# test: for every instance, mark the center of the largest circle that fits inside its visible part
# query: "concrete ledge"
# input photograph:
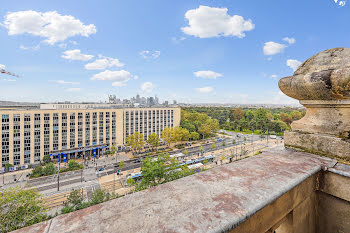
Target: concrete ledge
(318, 143)
(217, 200)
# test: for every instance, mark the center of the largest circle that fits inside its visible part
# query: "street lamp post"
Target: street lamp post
(114, 180)
(58, 173)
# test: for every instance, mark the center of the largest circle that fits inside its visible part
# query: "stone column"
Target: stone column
(322, 85)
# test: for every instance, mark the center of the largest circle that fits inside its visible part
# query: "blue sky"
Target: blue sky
(189, 50)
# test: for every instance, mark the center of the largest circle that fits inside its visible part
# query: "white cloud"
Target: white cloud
(149, 54)
(62, 45)
(120, 77)
(64, 82)
(178, 40)
(73, 89)
(156, 54)
(289, 40)
(76, 55)
(280, 98)
(293, 64)
(136, 77)
(274, 76)
(2, 66)
(50, 25)
(147, 87)
(103, 63)
(207, 74)
(34, 48)
(205, 89)
(272, 48)
(205, 22)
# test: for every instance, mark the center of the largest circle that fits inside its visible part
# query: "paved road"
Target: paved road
(110, 165)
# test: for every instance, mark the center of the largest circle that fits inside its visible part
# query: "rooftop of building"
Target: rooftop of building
(77, 106)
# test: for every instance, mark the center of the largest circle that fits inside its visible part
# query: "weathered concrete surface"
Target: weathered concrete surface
(330, 117)
(325, 76)
(336, 185)
(216, 200)
(333, 214)
(299, 202)
(318, 143)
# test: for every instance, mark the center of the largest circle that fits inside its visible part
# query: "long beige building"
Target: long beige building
(29, 134)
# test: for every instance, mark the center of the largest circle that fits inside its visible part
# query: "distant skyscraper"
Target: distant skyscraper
(138, 99)
(174, 102)
(156, 100)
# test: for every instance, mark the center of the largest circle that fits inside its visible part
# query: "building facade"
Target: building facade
(28, 135)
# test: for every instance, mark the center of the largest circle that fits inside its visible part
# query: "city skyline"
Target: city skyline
(189, 51)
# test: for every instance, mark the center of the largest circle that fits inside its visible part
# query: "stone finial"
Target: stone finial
(322, 85)
(325, 76)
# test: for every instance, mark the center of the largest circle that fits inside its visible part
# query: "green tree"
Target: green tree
(160, 170)
(99, 196)
(213, 146)
(7, 166)
(153, 140)
(205, 130)
(113, 149)
(75, 198)
(121, 164)
(185, 152)
(168, 135)
(188, 125)
(185, 135)
(73, 165)
(49, 169)
(38, 171)
(136, 141)
(46, 159)
(130, 181)
(296, 115)
(194, 136)
(20, 208)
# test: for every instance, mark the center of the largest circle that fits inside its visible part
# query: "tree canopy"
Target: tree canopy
(20, 208)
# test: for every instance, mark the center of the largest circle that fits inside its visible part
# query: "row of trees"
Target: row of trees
(169, 135)
(199, 123)
(238, 119)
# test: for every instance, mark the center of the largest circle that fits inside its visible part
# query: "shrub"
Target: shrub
(75, 198)
(73, 165)
(49, 169)
(67, 209)
(38, 171)
(46, 159)
(99, 196)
